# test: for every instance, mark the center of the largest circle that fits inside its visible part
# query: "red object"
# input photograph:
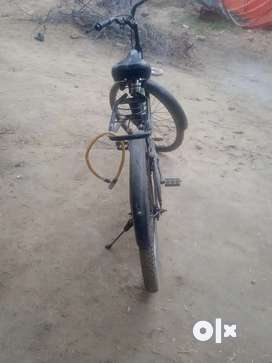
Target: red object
(250, 13)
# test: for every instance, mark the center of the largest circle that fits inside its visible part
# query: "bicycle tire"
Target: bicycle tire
(141, 201)
(170, 103)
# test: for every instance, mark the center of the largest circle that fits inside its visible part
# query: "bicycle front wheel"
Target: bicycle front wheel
(142, 208)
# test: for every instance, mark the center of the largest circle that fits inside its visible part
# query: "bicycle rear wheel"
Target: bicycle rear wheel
(168, 118)
(142, 208)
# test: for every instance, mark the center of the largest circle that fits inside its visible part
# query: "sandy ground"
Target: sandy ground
(63, 297)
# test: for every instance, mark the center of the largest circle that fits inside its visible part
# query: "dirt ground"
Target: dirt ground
(63, 297)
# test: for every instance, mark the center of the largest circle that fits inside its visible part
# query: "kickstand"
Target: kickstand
(126, 229)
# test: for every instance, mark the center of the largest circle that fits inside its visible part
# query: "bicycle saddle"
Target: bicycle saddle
(133, 67)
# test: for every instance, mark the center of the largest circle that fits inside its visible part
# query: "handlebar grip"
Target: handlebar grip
(103, 24)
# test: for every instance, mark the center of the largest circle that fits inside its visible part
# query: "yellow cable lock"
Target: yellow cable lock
(111, 182)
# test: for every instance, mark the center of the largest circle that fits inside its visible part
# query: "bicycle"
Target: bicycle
(132, 101)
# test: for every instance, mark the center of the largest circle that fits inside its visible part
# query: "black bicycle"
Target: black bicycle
(153, 122)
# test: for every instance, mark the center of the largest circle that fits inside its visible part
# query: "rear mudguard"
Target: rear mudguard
(140, 193)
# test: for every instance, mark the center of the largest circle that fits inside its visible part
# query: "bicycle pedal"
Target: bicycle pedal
(172, 182)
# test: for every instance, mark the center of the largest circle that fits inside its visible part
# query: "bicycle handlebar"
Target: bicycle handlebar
(103, 24)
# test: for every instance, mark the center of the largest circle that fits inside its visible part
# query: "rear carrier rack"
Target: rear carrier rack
(138, 135)
(128, 110)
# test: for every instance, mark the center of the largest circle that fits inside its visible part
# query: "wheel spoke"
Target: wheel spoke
(162, 119)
